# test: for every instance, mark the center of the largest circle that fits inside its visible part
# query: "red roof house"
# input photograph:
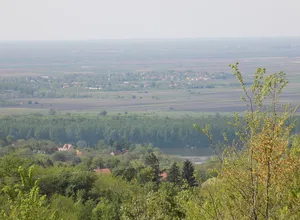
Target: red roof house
(164, 175)
(105, 171)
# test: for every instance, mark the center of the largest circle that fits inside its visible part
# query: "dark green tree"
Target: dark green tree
(97, 162)
(104, 112)
(152, 161)
(188, 173)
(174, 174)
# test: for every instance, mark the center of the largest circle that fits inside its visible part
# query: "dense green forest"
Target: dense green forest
(88, 130)
(255, 173)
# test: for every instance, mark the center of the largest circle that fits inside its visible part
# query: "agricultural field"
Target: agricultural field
(163, 77)
(164, 101)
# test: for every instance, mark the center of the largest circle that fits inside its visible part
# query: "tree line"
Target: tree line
(90, 129)
(159, 131)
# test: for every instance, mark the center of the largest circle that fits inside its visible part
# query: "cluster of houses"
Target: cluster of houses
(144, 79)
(31, 86)
(69, 147)
(169, 76)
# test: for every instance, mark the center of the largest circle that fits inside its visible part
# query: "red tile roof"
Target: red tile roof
(164, 175)
(105, 170)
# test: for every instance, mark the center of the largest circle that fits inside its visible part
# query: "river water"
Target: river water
(196, 155)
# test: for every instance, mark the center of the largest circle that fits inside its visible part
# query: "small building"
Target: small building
(104, 171)
(115, 152)
(118, 152)
(78, 153)
(66, 147)
(163, 175)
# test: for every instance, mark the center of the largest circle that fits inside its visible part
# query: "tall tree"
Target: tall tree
(174, 174)
(152, 161)
(188, 173)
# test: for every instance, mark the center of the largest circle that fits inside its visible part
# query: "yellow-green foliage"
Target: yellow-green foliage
(260, 181)
(27, 205)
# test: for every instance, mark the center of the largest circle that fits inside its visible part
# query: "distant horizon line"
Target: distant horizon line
(150, 39)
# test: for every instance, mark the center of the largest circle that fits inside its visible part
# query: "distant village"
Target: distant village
(48, 86)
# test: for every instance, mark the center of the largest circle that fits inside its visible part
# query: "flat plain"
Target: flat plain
(23, 59)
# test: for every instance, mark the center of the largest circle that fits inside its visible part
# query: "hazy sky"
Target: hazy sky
(104, 19)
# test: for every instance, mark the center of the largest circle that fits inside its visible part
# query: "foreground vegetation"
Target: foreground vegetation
(255, 174)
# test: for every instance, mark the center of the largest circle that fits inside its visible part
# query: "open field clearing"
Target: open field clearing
(169, 101)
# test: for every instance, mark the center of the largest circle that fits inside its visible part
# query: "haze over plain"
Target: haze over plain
(131, 19)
